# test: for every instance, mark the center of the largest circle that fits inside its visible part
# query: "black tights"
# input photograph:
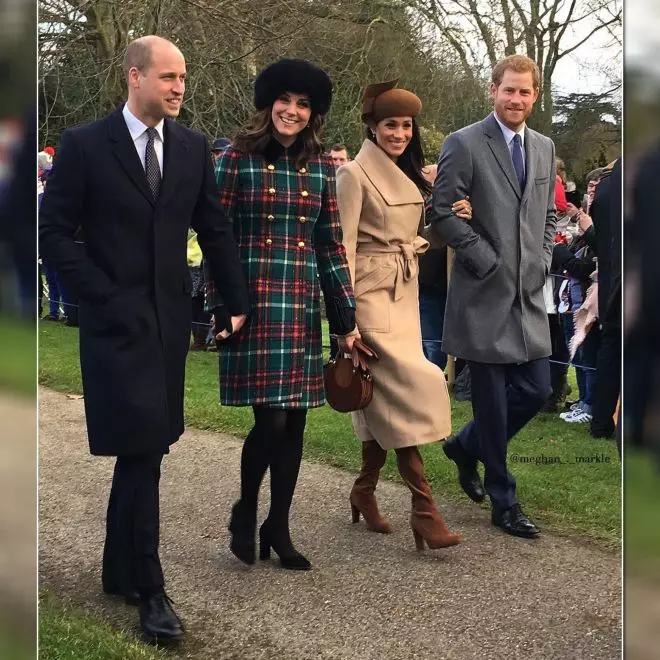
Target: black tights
(275, 441)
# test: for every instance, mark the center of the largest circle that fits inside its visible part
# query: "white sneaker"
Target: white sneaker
(579, 417)
(574, 409)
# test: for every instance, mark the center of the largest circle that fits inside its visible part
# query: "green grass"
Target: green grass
(18, 356)
(67, 633)
(578, 499)
(642, 516)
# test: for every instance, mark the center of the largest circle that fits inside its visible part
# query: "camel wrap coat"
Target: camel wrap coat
(381, 210)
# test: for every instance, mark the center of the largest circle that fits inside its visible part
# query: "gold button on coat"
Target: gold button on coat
(304, 193)
(269, 241)
(301, 244)
(271, 191)
(271, 217)
(302, 218)
(303, 170)
(271, 167)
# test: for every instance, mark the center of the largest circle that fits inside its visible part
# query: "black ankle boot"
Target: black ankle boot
(290, 558)
(243, 530)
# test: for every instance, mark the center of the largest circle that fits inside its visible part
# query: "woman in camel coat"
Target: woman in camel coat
(381, 204)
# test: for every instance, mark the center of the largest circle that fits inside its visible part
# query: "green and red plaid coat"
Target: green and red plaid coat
(287, 227)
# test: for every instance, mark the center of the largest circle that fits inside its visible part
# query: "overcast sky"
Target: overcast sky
(642, 34)
(581, 71)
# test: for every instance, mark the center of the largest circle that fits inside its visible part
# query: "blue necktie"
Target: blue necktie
(517, 157)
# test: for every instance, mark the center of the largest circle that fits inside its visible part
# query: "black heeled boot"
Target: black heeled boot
(280, 541)
(284, 467)
(243, 530)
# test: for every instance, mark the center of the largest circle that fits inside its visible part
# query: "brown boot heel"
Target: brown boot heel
(355, 513)
(365, 504)
(419, 540)
(431, 529)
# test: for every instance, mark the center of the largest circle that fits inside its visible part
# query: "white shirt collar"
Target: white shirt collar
(136, 127)
(508, 133)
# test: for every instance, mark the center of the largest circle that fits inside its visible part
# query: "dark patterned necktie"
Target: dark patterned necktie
(151, 166)
(517, 157)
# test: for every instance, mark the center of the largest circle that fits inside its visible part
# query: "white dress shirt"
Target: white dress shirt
(138, 132)
(508, 138)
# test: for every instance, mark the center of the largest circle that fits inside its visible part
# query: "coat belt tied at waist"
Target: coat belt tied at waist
(406, 260)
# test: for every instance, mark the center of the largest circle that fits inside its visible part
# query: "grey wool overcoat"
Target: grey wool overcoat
(495, 311)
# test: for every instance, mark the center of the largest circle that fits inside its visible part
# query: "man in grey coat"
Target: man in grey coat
(495, 316)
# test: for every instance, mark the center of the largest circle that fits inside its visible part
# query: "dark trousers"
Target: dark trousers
(432, 304)
(608, 381)
(200, 320)
(559, 355)
(54, 290)
(504, 398)
(130, 555)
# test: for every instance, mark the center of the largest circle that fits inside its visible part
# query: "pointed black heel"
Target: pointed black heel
(243, 532)
(290, 558)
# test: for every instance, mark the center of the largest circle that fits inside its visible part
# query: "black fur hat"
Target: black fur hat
(298, 76)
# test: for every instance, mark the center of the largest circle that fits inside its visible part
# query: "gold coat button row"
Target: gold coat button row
(304, 193)
(302, 219)
(301, 244)
(271, 167)
(269, 241)
(270, 217)
(303, 170)
(271, 191)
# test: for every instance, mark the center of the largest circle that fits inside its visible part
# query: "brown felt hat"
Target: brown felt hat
(384, 99)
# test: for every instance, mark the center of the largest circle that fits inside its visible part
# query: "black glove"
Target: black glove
(222, 320)
(341, 319)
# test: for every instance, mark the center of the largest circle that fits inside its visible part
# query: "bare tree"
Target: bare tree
(483, 31)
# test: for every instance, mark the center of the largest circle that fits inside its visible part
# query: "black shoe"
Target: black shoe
(550, 407)
(513, 521)
(157, 618)
(242, 535)
(468, 477)
(130, 596)
(602, 432)
(290, 558)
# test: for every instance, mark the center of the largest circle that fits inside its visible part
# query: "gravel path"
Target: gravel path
(369, 595)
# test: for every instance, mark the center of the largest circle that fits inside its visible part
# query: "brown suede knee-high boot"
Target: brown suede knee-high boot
(426, 522)
(363, 500)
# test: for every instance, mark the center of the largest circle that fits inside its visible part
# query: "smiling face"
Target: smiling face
(290, 114)
(393, 134)
(514, 98)
(339, 158)
(157, 91)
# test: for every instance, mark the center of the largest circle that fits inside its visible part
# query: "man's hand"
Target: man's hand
(584, 221)
(572, 210)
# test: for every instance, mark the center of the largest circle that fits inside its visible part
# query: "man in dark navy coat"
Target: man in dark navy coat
(135, 182)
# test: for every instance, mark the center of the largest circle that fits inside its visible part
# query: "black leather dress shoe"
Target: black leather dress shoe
(130, 596)
(468, 477)
(158, 620)
(513, 521)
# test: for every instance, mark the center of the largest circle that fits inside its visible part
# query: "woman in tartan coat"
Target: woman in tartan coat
(279, 189)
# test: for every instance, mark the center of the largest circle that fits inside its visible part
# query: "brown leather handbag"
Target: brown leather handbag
(348, 382)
